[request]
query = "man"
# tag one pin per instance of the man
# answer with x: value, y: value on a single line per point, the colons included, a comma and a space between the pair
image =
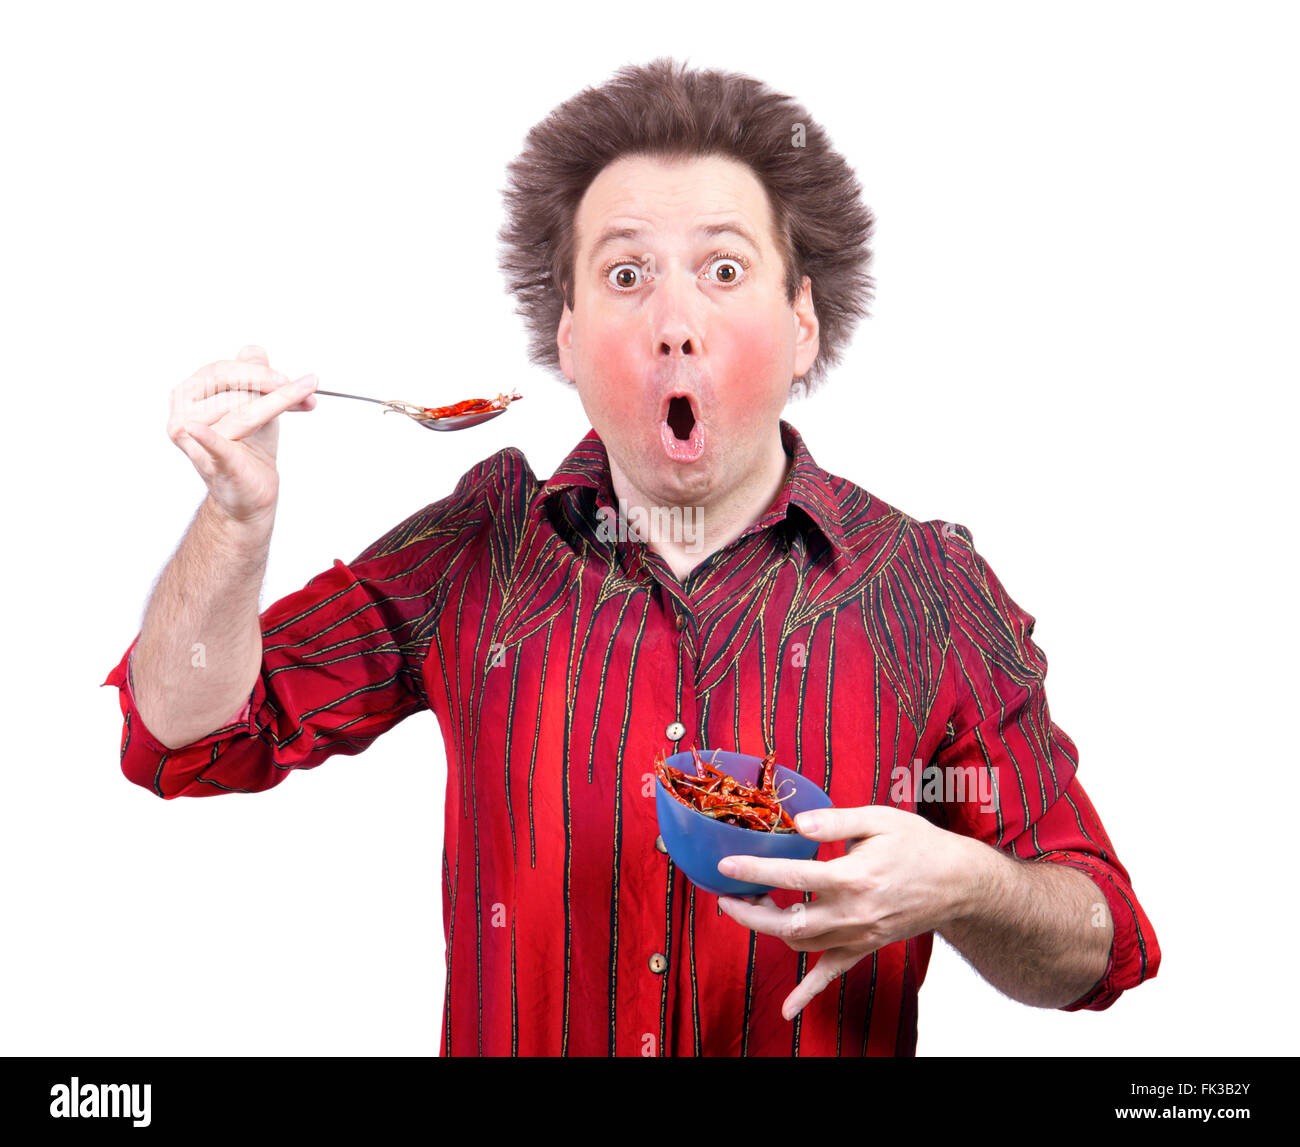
x: 685, y: 247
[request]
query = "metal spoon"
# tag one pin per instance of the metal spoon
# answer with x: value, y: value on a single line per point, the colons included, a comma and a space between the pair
x: 453, y: 422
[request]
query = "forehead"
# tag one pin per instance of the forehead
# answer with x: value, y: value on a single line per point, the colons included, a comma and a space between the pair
x: 657, y: 194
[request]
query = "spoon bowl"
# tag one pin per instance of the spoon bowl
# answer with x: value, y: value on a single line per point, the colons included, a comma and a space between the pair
x: 459, y: 421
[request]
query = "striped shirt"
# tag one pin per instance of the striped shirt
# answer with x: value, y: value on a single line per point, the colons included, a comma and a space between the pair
x: 559, y: 654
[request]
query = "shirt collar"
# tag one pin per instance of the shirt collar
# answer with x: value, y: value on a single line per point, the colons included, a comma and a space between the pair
x: 807, y: 486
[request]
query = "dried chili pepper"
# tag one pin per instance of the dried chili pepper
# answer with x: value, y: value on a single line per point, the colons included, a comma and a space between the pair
x: 468, y: 406
x: 719, y: 795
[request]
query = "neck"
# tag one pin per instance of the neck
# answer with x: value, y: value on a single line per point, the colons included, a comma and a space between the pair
x: 694, y: 532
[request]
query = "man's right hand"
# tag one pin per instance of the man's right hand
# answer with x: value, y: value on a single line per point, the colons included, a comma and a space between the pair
x: 224, y: 418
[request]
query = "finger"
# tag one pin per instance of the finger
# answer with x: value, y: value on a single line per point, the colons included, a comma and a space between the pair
x: 211, y: 408
x: 308, y: 403
x: 779, y: 872
x: 232, y: 375
x: 247, y: 419
x: 195, y: 453
x: 847, y: 823
x: 220, y: 451
x: 207, y: 399
x: 214, y: 407
x: 832, y: 965
x: 258, y: 354
x: 804, y: 927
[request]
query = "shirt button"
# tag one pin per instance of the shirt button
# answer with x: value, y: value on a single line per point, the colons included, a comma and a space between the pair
x: 681, y: 621
x: 658, y: 962
x: 676, y: 731
x: 659, y: 844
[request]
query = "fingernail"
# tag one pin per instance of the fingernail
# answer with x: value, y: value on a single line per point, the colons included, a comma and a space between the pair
x: 727, y: 867
x: 306, y: 383
x: 806, y: 822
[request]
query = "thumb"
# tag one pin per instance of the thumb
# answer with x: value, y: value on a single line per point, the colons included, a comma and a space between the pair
x: 253, y: 354
x: 847, y: 823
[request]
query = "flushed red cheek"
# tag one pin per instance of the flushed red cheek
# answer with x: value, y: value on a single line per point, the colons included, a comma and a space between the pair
x: 615, y: 364
x: 750, y: 359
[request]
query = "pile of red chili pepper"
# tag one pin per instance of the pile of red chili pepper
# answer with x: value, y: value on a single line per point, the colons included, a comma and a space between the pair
x: 722, y: 797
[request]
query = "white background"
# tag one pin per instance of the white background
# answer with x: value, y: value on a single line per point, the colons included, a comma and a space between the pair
x: 1082, y: 348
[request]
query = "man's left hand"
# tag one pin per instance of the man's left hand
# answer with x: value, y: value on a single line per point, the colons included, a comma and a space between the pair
x: 900, y: 876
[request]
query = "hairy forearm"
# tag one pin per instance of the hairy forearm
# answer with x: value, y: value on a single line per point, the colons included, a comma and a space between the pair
x: 1037, y: 931
x: 200, y: 646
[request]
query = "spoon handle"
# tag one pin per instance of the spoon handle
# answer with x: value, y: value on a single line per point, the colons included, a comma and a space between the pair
x: 340, y: 394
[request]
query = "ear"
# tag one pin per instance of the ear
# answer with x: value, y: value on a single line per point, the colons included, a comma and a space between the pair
x: 806, y: 330
x: 564, y: 343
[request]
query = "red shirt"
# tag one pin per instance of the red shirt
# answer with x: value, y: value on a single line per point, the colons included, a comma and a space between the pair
x: 557, y: 656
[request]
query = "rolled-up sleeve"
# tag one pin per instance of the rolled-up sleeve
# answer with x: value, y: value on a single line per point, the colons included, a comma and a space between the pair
x: 1070, y: 833
x: 1016, y: 787
x: 342, y: 658
x: 340, y: 666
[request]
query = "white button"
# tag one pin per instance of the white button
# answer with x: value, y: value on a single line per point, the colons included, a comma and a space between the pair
x: 676, y: 731
x: 659, y: 844
x: 658, y: 962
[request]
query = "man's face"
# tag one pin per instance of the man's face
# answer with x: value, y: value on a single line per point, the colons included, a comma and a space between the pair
x: 681, y: 342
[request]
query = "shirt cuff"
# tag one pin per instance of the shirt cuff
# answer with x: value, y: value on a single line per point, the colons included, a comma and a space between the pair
x: 1127, y: 964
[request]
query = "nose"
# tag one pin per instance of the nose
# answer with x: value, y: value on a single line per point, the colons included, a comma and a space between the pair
x: 675, y: 322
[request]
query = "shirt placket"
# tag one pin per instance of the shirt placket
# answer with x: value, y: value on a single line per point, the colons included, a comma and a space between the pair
x: 681, y: 730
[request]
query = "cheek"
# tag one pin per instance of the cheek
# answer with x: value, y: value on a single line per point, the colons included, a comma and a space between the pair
x: 758, y: 355
x: 607, y: 353
x: 612, y: 353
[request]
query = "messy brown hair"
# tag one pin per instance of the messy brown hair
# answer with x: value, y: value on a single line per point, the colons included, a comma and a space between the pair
x: 662, y: 109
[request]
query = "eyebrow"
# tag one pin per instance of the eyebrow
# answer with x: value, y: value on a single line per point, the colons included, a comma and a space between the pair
x: 710, y: 231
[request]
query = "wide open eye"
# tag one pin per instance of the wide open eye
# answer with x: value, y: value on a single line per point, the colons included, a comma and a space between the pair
x: 728, y: 269
x: 625, y: 276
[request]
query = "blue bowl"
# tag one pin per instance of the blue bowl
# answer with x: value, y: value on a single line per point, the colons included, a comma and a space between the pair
x: 697, y: 842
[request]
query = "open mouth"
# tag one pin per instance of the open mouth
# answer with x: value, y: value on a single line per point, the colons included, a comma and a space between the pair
x: 681, y: 418
x: 681, y: 431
